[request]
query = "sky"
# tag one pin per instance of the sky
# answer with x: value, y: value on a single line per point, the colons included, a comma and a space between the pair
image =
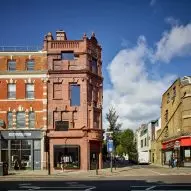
x: 146, y: 44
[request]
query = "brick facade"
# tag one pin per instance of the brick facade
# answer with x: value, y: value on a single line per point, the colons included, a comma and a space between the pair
x: 175, y: 122
x: 21, y: 77
x: 85, y: 119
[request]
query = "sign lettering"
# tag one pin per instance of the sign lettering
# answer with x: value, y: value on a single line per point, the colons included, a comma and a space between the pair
x: 19, y: 134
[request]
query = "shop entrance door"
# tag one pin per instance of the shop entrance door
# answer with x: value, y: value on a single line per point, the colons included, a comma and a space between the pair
x: 94, y: 159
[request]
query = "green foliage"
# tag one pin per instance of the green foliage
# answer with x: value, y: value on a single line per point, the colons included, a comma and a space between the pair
x: 127, y: 142
x: 114, y: 126
x: 119, y: 150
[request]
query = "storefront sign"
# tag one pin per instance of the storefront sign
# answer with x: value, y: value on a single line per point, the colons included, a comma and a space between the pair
x: 187, y: 152
x: 21, y: 134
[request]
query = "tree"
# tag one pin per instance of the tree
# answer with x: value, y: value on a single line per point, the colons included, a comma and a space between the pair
x: 114, y: 126
x: 119, y: 150
x: 128, y: 143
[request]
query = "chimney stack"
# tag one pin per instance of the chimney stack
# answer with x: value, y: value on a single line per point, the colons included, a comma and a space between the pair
x: 61, y: 35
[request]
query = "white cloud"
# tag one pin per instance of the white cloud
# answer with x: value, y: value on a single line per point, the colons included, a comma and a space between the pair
x: 172, y: 21
x: 153, y: 2
x: 134, y: 95
x: 137, y: 87
x: 176, y: 42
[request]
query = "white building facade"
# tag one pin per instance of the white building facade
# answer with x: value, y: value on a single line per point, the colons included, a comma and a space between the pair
x: 144, y: 135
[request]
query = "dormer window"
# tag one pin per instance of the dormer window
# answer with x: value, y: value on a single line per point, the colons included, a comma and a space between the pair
x: 67, y: 55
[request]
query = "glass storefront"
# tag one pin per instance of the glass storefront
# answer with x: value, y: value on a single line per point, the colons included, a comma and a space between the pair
x: 67, y: 156
x: 22, y: 155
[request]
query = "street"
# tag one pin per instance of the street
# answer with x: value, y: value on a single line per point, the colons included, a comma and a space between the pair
x: 132, y: 178
x: 154, y: 183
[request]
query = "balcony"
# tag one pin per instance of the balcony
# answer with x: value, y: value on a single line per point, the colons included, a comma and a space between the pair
x: 69, y: 44
x: 68, y: 65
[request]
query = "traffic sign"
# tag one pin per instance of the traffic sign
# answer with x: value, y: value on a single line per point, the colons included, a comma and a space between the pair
x: 110, y: 146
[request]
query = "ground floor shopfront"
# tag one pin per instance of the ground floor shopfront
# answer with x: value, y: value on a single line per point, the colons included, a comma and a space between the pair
x: 22, y: 149
x: 75, y: 154
x: 179, y: 148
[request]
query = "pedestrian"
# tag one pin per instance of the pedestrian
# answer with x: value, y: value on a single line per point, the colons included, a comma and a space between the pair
x: 172, y: 161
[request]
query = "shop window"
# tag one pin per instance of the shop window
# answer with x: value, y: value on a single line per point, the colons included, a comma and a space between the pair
x: 57, y: 90
x: 67, y: 56
x: 11, y: 65
x: 20, y: 118
x: 11, y: 91
x: 21, y: 154
x: 61, y: 125
x: 29, y: 91
x: 9, y: 119
x: 75, y: 94
x: 94, y: 66
x: 31, y: 119
x: 66, y: 156
x: 30, y: 65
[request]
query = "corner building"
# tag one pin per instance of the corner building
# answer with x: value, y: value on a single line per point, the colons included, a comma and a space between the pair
x: 23, y: 108
x: 75, y: 92
x: 174, y: 137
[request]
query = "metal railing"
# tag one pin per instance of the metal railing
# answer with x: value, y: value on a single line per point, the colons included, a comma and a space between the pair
x: 20, y: 48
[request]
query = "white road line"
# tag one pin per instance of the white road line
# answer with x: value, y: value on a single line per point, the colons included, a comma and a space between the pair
x: 156, y: 172
x: 150, y: 188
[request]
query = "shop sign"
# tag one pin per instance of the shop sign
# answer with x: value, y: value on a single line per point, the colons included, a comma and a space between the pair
x: 170, y: 145
x: 21, y: 134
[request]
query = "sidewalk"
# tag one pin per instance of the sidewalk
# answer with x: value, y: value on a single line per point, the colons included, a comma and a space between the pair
x: 166, y: 166
x: 68, y: 173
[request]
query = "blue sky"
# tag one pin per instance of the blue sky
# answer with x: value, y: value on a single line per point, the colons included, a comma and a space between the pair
x: 118, y: 25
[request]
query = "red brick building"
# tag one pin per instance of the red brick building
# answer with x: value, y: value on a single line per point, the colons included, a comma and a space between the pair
x: 74, y: 101
x: 23, y: 108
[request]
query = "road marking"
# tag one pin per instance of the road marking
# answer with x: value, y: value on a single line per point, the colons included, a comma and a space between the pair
x: 156, y: 172
x: 150, y: 188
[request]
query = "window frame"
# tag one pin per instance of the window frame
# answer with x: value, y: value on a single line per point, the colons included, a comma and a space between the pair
x: 27, y: 93
x: 8, y: 90
x: 29, y: 119
x: 94, y: 66
x: 23, y: 119
x: 62, y: 128
x: 9, y: 125
x: 8, y: 65
x: 67, y: 53
x: 60, y: 90
x: 27, y: 65
x: 70, y: 94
